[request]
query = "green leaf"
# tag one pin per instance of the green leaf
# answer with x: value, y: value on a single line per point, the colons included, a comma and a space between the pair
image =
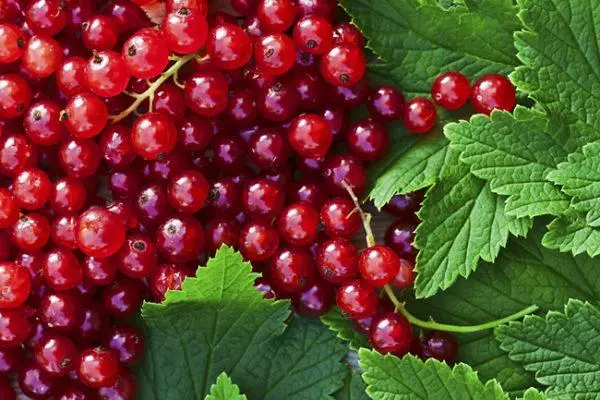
x: 572, y: 232
x: 514, y: 153
x: 354, y: 388
x: 525, y: 273
x: 220, y: 323
x: 532, y: 394
x: 344, y: 329
x: 462, y: 222
x: 389, y: 377
x: 559, y: 50
x: 225, y: 389
x: 561, y: 348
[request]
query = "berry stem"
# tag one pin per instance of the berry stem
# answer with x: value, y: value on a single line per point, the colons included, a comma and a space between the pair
x: 431, y: 324
x: 149, y: 93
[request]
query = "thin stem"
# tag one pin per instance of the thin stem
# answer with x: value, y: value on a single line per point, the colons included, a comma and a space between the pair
x: 366, y: 217
x: 149, y: 93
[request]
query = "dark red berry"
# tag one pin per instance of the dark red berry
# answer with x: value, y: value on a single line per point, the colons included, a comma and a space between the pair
x: 127, y: 342
x: 386, y: 103
x: 206, y: 93
x: 258, y: 241
x: 167, y: 277
x: 405, y: 276
x: 262, y: 199
x: 229, y: 46
x: 357, y: 299
x: 368, y: 139
x: 97, y: 367
x: 310, y: 136
x: 180, y: 239
x: 55, y: 355
x: 123, y: 297
x: 345, y: 168
x: 340, y: 218
x: 314, y: 301
x: 391, y: 333
x: 400, y: 237
x: 292, y: 269
x: 337, y: 260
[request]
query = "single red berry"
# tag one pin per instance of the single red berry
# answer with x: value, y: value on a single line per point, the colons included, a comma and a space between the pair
x: 99, y: 233
x: 106, y: 74
x: 194, y: 132
x: 298, y: 224
x: 292, y: 269
x: 405, y: 276
x: 60, y: 311
x: 258, y: 241
x: 420, y: 115
x: 228, y: 152
x: 167, y: 277
x: 307, y: 190
x: 314, y: 301
x: 68, y: 196
x: 15, y: 96
x: 85, y: 115
x: 313, y: 34
x: 55, y: 355
x: 16, y: 285
x: 10, y: 361
x: 145, y: 53
x: 357, y: 299
x: 310, y: 136
x: 185, y: 30
x: 97, y: 367
x: 30, y: 232
x: 124, y: 389
x: 229, y: 47
x: 451, y: 90
x: 127, y: 15
x: 368, y: 139
x: 79, y: 158
x: 123, y: 297
x: 224, y: 197
x: 391, y: 333
x: 337, y: 260
x: 404, y: 205
x: 99, y: 271
x: 46, y: 16
x: 276, y: 15
x: 492, y: 92
x: 274, y: 54
x: 93, y: 325
x: 32, y: 188
x: 378, y: 265
x: 337, y: 120
x: 70, y: 77
x: 343, y: 65
x: 127, y: 342
x: 138, y: 257
x: 152, y: 204
x: 323, y: 8
x: 339, y: 217
x: 42, y: 56
x: 152, y: 135
x: 116, y: 146
x: 400, y: 237
x: 278, y: 101
x: 180, y: 239
x: 42, y: 123
x: 348, y: 34
x: 206, y: 93
x: 188, y: 191
x: 100, y: 32
x: 386, y: 103
x: 442, y: 346
x: 344, y: 168
x: 62, y: 270
x: 222, y: 231
x: 12, y: 43
x: 262, y: 199
x: 269, y: 148
x: 168, y: 99
x: 35, y: 384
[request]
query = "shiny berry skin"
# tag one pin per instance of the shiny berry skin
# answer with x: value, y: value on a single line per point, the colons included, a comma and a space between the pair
x: 127, y: 342
x: 123, y: 297
x: 116, y: 146
x: 298, y: 224
x: 368, y: 139
x: 337, y: 260
x: 167, y: 277
x: 97, y: 367
x: 348, y: 34
x: 152, y: 204
x: 68, y: 196
x: 55, y: 355
x: 128, y: 16
x: 15, y: 96
x: 185, y: 31
x: 15, y: 328
x: 9, y: 209
x: 137, y: 257
x: 106, y: 74
x: 46, y: 16
x: 79, y: 158
x: 100, y: 32
x: 206, y: 93
x: 276, y: 15
x: 93, y: 324
x: 168, y: 99
x: 85, y: 115
x: 279, y: 101
x: 188, y: 191
x: 124, y: 389
x: 405, y: 276
x: 313, y: 34
x: 400, y: 237
x: 357, y: 299
x: 228, y: 152
x: 241, y: 107
x: 42, y: 123
x: 391, y: 333
x: 194, y: 132
x: 153, y: 134
x: 99, y: 233
x: 378, y: 265
x: 35, y: 384
x: 10, y: 361
x: 404, y: 205
x: 344, y: 168
x: 16, y: 285
x: 442, y: 346
x: 62, y: 270
x: 339, y: 218
x: 74, y: 391
x: 258, y: 241
x: 386, y: 103
x: 420, y: 115
x: 492, y: 92
x: 32, y: 188
x: 451, y: 90
x: 42, y: 56
x: 224, y: 197
x: 145, y: 53
x: 70, y: 77
x: 274, y: 54
x: 262, y: 199
x: 222, y: 231
x: 60, y: 311
x: 16, y: 154
x: 180, y: 239
x: 343, y: 65
x: 292, y: 269
x: 229, y: 47
x: 351, y: 96
x: 269, y: 148
x: 99, y: 272
x: 314, y: 301
x: 30, y: 232
x: 12, y: 43
x: 307, y: 190
x: 310, y: 136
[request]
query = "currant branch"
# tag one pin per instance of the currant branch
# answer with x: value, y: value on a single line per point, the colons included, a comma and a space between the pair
x: 400, y: 306
x: 148, y: 94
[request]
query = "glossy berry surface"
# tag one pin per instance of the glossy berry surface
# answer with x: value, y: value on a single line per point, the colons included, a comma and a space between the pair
x: 339, y: 218
x: 106, y: 74
x: 127, y: 342
x: 420, y: 115
x: 391, y: 333
x: 298, y: 224
x: 180, y: 239
x: 292, y: 269
x: 492, y: 92
x: 258, y: 241
x: 55, y: 355
x: 337, y: 260
x: 229, y: 46
x: 314, y: 301
x: 97, y: 367
x: 16, y: 285
x: 405, y: 276
x: 274, y: 54
x: 386, y: 103
x: 357, y: 299
x: 167, y: 277
x: 442, y: 346
x: 368, y: 139
x: 378, y: 265
x: 451, y: 90
x: 99, y: 233
x: 313, y: 34
x: 400, y: 237
x: 310, y: 136
x: 153, y: 135
x: 343, y: 65
x: 262, y: 199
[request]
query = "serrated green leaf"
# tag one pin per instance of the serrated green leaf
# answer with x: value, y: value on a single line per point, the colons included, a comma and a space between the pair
x: 532, y: 394
x: 354, y: 388
x: 344, y: 329
x: 389, y: 377
x: 462, y: 222
x: 220, y: 323
x: 561, y: 348
x: 525, y: 273
x: 571, y: 232
x: 514, y: 153
x: 225, y: 389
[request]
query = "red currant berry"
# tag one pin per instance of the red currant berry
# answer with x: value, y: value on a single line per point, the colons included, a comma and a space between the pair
x: 345, y: 33
x: 405, y: 205
x: 12, y: 43
x: 42, y: 123
x: 60, y: 311
x: 35, y: 384
x: 405, y: 276
x: 70, y: 77
x: 229, y: 47
x: 16, y: 285
x: 55, y: 355
x: 420, y: 115
x: 451, y: 90
x: 378, y: 265
x: 241, y: 107
x: 15, y: 96
x: 222, y: 231
x: 97, y: 367
x: 258, y: 241
x: 32, y: 188
x: 269, y: 148
x: 167, y: 277
x: 386, y: 103
x: 442, y: 346
x: 188, y: 191
x: 94, y: 323
x: 42, y: 56
x: 100, y: 272
x: 279, y: 101
x: 357, y: 299
x: 339, y: 217
x: 152, y: 204
x: 168, y: 99
x: 127, y: 15
x: 68, y: 196
x: 15, y: 328
x: 101, y: 32
x: 400, y: 237
x: 261, y: 198
x: 30, y: 232
x: 180, y: 240
x: 228, y: 152
x: 337, y: 260
x: 310, y: 136
x: 274, y: 54
x: 124, y: 389
x: 492, y: 92
x: 323, y: 8
x: 368, y: 139
x: 10, y: 361
x: 123, y: 297
x: 62, y: 270
x: 146, y: 53
x: 152, y: 135
x: 46, y: 16
x: 276, y: 15
x: 106, y: 74
x: 391, y: 333
x: 298, y: 224
x: 9, y: 210
x: 313, y: 34
x: 127, y: 342
x: 99, y: 233
x: 314, y: 301
x: 343, y: 65
x: 307, y: 190
x: 138, y: 256
x: 79, y: 158
x: 185, y: 30
x: 224, y: 197
x: 85, y: 115
x: 116, y: 146
x: 195, y: 133
x: 344, y: 168
x: 206, y: 93
x: 292, y: 269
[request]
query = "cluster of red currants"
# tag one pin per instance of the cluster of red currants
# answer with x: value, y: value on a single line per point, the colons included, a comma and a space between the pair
x: 129, y: 153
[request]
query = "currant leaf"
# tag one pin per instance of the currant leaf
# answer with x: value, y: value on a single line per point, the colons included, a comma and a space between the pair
x: 225, y: 389
x: 390, y: 377
x: 344, y: 329
x: 220, y: 322
x: 572, y: 232
x: 354, y: 388
x: 524, y: 273
x: 559, y: 348
x: 462, y: 222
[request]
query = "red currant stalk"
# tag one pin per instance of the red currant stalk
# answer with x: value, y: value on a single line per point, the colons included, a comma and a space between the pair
x: 399, y: 306
x: 153, y: 86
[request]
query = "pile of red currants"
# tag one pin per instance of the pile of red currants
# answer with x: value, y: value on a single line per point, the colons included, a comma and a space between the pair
x: 130, y: 152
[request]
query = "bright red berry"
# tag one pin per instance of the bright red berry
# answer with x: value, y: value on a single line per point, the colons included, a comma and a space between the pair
x: 491, y: 92
x: 391, y: 333
x: 185, y: 30
x: 451, y: 90
x: 292, y: 269
x: 16, y: 285
x: 97, y: 367
x: 258, y: 241
x: 357, y: 299
x: 99, y: 233
x: 337, y: 260
x: 55, y: 355
x: 310, y: 136
x: 12, y: 43
x: 378, y: 265
x: 343, y: 65
x: 386, y: 103
x: 298, y: 224
x: 85, y: 115
x: 420, y: 115
x: 229, y: 47
x: 153, y: 135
